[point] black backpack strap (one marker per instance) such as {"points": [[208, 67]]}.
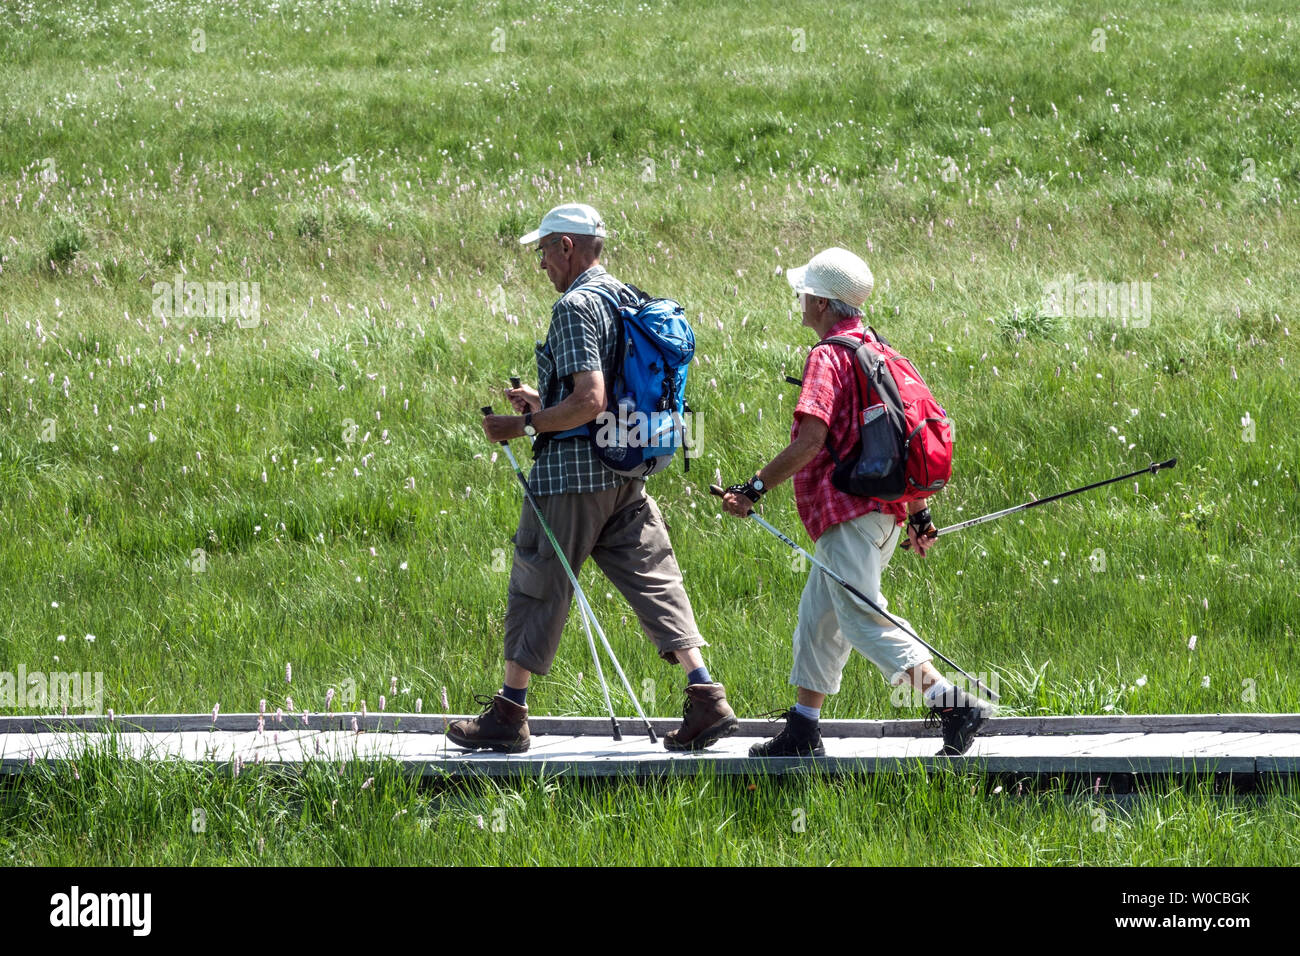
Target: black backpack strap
{"points": [[853, 344]]}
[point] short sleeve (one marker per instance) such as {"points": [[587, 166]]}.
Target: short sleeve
{"points": [[576, 335], [818, 395]]}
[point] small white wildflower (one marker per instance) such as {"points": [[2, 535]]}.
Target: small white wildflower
{"points": [[1191, 643], [1205, 681]]}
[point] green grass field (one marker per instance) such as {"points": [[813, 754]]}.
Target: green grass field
{"points": [[371, 165]]}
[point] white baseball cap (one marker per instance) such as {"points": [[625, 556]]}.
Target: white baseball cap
{"points": [[576, 219], [834, 273]]}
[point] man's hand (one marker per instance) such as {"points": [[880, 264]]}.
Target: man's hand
{"points": [[524, 398], [503, 427]]}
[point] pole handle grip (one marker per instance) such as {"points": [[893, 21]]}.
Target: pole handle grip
{"points": [[717, 491], [514, 381], [487, 410]]}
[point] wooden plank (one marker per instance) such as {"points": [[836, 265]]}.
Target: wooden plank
{"points": [[1082, 744], [587, 756], [1279, 745], [1164, 744], [1229, 745], [1147, 745], [631, 726], [1278, 765]]}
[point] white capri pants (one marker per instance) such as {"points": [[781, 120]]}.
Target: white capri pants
{"points": [[832, 621]]}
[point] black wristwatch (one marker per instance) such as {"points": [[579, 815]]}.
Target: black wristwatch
{"points": [[529, 430]]}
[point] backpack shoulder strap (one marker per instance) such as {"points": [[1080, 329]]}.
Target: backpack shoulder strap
{"points": [[604, 294], [848, 341], [611, 298], [853, 344]]}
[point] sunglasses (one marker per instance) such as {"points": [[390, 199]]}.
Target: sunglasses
{"points": [[541, 250]]}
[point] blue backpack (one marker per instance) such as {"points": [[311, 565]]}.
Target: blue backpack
{"points": [[642, 425]]}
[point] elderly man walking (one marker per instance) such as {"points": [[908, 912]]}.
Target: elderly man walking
{"points": [[855, 536], [591, 510]]}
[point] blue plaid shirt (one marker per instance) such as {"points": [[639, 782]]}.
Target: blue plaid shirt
{"points": [[582, 338]]}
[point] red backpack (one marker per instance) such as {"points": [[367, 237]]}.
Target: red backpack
{"points": [[904, 447]]}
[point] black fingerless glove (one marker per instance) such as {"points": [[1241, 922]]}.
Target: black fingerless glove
{"points": [[748, 490], [921, 522]]}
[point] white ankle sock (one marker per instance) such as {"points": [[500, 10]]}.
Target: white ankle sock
{"points": [[812, 713], [941, 694]]}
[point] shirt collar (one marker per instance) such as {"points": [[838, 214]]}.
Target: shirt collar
{"points": [[845, 326], [592, 273]]}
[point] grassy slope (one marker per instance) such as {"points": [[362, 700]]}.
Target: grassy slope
{"points": [[1126, 164]]}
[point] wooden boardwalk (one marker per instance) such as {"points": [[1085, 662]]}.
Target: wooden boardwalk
{"points": [[1239, 744]]}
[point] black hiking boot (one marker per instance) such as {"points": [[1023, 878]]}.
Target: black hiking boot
{"points": [[800, 738], [960, 716]]}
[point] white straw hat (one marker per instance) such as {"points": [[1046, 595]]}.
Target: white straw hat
{"points": [[574, 219], [834, 274]]}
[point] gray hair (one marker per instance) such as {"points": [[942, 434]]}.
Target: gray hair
{"points": [[588, 245], [843, 310]]}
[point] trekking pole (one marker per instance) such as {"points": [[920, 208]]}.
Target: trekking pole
{"points": [[600, 631], [588, 617], [1149, 469], [975, 682]]}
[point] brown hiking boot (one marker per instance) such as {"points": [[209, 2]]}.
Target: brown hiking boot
{"points": [[502, 727], [706, 717]]}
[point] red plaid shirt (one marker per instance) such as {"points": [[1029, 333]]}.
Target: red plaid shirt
{"points": [[830, 393]]}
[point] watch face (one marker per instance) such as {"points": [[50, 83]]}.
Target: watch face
{"points": [[758, 484]]}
